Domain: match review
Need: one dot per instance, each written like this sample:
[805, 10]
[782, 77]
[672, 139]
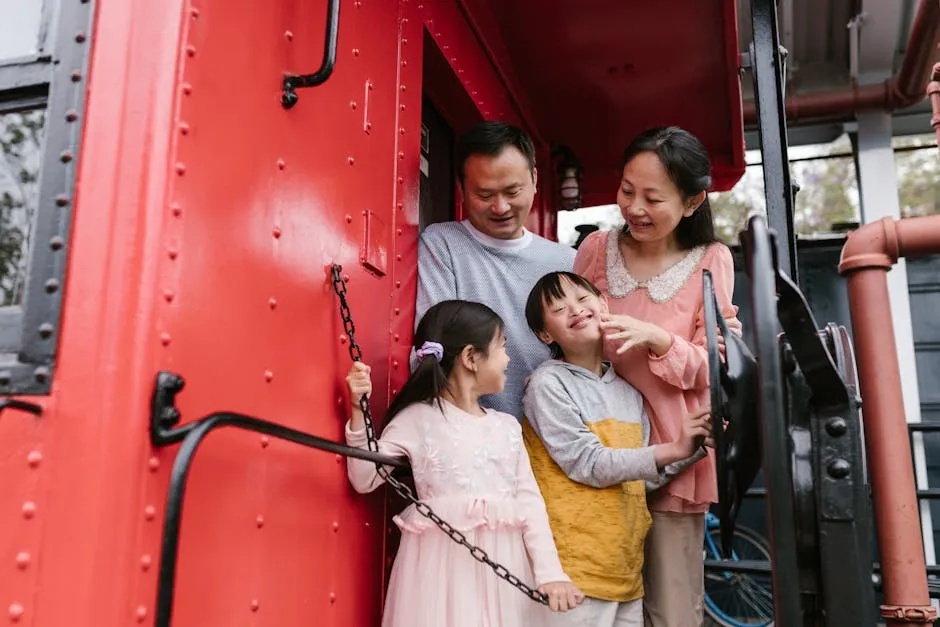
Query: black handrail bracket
[26, 406]
[293, 82]
[163, 412]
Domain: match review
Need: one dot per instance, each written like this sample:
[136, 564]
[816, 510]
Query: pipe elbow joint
[874, 245]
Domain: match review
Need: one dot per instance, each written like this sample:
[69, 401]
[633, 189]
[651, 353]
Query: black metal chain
[339, 286]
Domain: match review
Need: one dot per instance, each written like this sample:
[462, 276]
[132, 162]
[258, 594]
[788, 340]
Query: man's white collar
[505, 244]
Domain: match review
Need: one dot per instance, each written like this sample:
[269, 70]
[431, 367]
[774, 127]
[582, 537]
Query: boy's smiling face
[573, 321]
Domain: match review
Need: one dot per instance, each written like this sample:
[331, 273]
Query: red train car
[186, 221]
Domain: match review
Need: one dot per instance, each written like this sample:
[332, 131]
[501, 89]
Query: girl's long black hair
[454, 324]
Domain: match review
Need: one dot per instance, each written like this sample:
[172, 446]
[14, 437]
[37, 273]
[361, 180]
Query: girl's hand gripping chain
[360, 384]
[562, 595]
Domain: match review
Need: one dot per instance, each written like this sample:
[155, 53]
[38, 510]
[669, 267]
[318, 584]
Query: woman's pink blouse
[676, 382]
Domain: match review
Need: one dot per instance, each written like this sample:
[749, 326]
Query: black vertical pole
[767, 71]
[766, 62]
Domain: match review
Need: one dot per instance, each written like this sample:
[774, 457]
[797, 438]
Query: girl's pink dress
[676, 382]
[474, 472]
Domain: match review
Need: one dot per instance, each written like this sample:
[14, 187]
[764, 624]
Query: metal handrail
[163, 418]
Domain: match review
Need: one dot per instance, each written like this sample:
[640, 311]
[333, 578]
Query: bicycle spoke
[739, 599]
[755, 597]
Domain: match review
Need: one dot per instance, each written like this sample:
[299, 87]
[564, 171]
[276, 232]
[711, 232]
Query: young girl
[651, 273]
[471, 468]
[587, 435]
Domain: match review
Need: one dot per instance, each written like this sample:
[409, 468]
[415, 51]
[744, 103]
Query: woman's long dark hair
[454, 324]
[687, 163]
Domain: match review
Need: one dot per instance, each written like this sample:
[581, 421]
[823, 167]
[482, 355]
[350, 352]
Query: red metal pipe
[933, 92]
[868, 254]
[920, 51]
[898, 92]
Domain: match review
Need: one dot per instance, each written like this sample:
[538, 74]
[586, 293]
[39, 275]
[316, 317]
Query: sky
[19, 27]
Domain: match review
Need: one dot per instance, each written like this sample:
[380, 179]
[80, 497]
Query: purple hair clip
[430, 348]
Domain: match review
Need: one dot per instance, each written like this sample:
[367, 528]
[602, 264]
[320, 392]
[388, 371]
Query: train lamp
[568, 171]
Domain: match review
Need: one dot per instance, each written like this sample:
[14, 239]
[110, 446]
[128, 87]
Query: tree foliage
[919, 177]
[21, 136]
[829, 189]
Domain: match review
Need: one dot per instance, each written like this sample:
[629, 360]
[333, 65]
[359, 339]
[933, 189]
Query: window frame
[55, 78]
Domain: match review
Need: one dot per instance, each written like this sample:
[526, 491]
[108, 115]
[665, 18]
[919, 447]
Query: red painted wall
[205, 220]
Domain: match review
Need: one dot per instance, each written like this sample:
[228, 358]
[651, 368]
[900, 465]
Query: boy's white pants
[599, 613]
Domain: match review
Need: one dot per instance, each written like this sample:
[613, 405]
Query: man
[490, 257]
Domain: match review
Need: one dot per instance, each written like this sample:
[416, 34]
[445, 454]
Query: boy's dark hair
[547, 290]
[489, 139]
[686, 161]
[454, 324]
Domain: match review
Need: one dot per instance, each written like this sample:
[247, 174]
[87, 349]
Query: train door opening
[446, 111]
[437, 193]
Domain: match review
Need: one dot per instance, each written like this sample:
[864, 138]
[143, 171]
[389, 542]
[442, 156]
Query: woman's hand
[710, 440]
[636, 333]
[360, 384]
[562, 595]
[734, 325]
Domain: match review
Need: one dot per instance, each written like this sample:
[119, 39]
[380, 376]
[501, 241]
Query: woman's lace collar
[661, 287]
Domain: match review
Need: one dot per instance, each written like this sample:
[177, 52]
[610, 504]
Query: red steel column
[933, 92]
[868, 255]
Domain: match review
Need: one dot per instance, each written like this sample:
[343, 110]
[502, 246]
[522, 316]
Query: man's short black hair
[489, 139]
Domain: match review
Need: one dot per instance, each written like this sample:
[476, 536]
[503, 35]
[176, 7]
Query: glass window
[730, 209]
[21, 139]
[42, 95]
[918, 171]
[828, 200]
[826, 203]
[21, 28]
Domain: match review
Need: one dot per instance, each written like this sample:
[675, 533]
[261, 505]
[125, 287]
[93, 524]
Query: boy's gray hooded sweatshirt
[588, 425]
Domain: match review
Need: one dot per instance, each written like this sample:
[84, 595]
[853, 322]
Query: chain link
[339, 286]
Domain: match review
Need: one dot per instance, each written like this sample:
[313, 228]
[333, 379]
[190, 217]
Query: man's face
[498, 193]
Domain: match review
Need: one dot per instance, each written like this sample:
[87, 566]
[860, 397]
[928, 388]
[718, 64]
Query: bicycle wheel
[739, 599]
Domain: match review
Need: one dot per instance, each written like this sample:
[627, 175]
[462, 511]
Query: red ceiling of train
[598, 72]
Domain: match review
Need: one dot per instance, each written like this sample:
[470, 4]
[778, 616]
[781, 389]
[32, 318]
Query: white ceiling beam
[877, 38]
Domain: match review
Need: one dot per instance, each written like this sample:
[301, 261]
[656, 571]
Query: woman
[651, 273]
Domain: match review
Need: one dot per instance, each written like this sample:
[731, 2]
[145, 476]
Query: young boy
[587, 434]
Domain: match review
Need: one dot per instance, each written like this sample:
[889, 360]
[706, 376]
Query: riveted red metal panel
[25, 482]
[482, 22]
[405, 216]
[96, 454]
[458, 42]
[210, 214]
[267, 198]
[410, 61]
